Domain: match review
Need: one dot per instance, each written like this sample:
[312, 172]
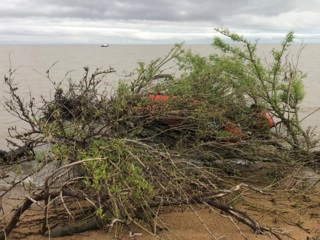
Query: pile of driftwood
[126, 156]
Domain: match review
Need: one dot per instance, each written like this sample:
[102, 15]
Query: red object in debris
[166, 98]
[155, 98]
[232, 128]
[235, 130]
[267, 118]
[158, 98]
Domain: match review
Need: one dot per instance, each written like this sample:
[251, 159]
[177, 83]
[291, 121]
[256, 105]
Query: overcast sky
[154, 21]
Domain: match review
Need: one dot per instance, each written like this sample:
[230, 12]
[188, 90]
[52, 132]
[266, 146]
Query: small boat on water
[105, 45]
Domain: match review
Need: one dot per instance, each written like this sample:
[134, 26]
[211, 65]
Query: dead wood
[83, 225]
[243, 217]
[20, 210]
[15, 154]
[137, 153]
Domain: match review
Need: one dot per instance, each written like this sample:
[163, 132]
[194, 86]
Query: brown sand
[295, 214]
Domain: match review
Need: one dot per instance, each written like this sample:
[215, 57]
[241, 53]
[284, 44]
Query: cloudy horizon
[154, 22]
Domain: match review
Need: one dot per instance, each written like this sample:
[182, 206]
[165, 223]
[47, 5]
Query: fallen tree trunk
[83, 225]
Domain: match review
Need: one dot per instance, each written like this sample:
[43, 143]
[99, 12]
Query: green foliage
[277, 85]
[199, 79]
[118, 174]
[232, 81]
[147, 73]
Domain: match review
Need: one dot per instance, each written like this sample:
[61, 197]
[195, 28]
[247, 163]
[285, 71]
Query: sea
[30, 65]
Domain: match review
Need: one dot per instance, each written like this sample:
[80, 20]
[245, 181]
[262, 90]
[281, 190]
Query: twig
[202, 222]
[62, 200]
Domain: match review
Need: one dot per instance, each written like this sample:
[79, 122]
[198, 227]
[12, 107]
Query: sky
[155, 21]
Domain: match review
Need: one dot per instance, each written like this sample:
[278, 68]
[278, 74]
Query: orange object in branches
[267, 118]
[234, 130]
[159, 98]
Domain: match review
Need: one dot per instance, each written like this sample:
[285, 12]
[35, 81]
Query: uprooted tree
[131, 155]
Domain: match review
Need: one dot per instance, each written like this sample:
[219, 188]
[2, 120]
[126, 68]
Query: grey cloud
[154, 20]
[164, 10]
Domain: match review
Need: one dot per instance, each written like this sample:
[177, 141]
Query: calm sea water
[32, 62]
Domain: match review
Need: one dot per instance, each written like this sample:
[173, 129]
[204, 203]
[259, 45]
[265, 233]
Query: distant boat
[105, 45]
